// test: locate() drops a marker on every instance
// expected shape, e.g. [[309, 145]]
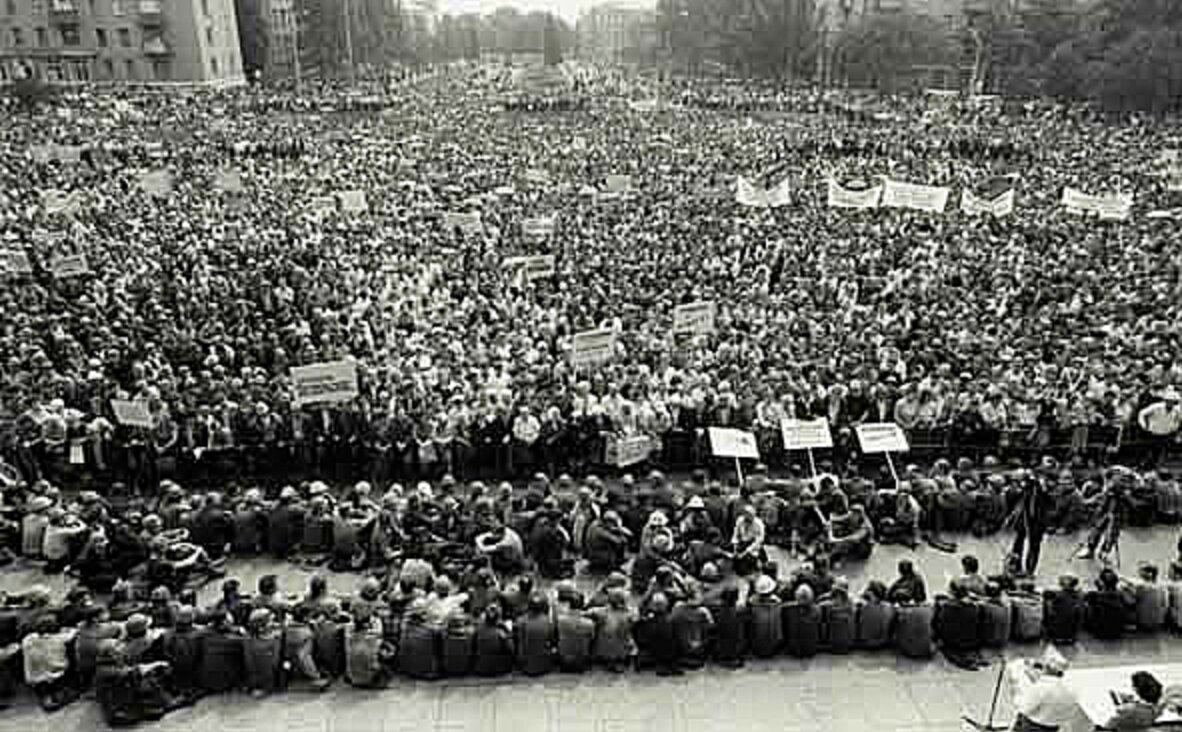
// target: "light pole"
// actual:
[[347, 8]]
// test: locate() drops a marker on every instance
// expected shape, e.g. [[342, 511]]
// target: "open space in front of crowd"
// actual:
[[573, 396]]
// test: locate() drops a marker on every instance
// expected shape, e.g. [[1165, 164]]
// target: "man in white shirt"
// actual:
[[1042, 702]]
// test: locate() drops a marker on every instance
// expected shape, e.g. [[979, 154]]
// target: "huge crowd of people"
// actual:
[[1023, 355]]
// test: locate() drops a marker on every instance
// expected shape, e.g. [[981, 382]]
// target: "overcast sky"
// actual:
[[568, 9]]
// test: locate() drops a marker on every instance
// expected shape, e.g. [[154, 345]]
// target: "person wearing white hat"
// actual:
[[1042, 702]]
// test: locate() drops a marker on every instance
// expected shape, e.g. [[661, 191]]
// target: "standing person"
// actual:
[[1031, 517]]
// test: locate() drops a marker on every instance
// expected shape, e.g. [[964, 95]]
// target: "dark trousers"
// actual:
[[1032, 538]]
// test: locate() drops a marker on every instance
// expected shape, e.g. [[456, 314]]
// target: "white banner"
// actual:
[[537, 175], [353, 201], [333, 381], [748, 194], [73, 265], [696, 317], [898, 194], [840, 197], [132, 414], [57, 201], [540, 226], [882, 437], [624, 451], [468, 223], [731, 443], [1110, 207], [1000, 205], [806, 434], [593, 347]]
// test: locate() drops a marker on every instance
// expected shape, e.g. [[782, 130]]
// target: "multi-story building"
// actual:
[[189, 42], [617, 33], [269, 33]]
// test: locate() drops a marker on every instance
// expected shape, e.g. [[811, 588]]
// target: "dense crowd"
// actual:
[[475, 580], [1022, 354]]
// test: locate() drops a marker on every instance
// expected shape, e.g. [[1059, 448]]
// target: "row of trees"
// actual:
[[385, 33], [1122, 54]]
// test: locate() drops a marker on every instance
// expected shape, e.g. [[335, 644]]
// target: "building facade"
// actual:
[[617, 33], [176, 42]]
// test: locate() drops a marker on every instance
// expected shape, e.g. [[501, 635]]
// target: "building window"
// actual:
[[37, 7], [209, 35], [213, 65], [10, 7], [42, 38], [108, 69], [125, 37], [71, 36], [100, 37], [160, 70], [129, 67], [18, 37], [117, 8]]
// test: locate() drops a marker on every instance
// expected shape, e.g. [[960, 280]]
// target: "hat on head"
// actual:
[[695, 503], [764, 585], [1053, 661]]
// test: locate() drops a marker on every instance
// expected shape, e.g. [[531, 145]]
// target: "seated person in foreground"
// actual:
[[1141, 711]]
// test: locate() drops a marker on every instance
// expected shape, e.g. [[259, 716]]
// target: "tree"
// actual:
[[29, 92], [883, 49], [551, 43]]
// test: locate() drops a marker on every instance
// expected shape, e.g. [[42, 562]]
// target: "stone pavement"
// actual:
[[880, 692]]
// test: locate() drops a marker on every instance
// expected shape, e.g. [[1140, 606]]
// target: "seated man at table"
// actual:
[[1141, 711], [1042, 702]]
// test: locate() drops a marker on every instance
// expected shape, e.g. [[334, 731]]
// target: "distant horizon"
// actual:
[[568, 10]]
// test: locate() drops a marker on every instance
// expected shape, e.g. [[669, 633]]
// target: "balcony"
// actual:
[[151, 13], [64, 12]]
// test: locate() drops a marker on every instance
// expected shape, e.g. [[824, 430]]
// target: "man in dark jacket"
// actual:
[[957, 626], [494, 645], [576, 636], [606, 543], [656, 638], [1031, 516], [536, 638], [222, 666]]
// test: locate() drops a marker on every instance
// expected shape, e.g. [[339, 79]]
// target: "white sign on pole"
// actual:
[[15, 261], [696, 318], [333, 381], [806, 434], [323, 205], [466, 222], [156, 182], [228, 180], [132, 414], [531, 268], [72, 265], [593, 347], [624, 451], [732, 443], [541, 226], [353, 201], [882, 437], [618, 183]]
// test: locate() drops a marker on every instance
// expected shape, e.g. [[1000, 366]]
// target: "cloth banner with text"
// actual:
[[898, 194], [845, 197], [1110, 207]]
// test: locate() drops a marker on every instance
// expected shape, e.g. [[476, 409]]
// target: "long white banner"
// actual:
[[1001, 205], [1117, 206], [840, 197], [593, 347], [898, 194], [749, 194], [332, 381]]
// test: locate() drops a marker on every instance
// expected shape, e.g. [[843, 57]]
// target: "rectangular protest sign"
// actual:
[[747, 194], [540, 226], [882, 437], [625, 451], [696, 318], [228, 180], [469, 223], [72, 265], [531, 268], [15, 261], [618, 183], [1000, 205], [156, 182], [353, 201], [132, 414], [323, 204], [332, 381], [593, 347], [732, 443], [1110, 207], [898, 194], [806, 434], [57, 201], [841, 197]]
